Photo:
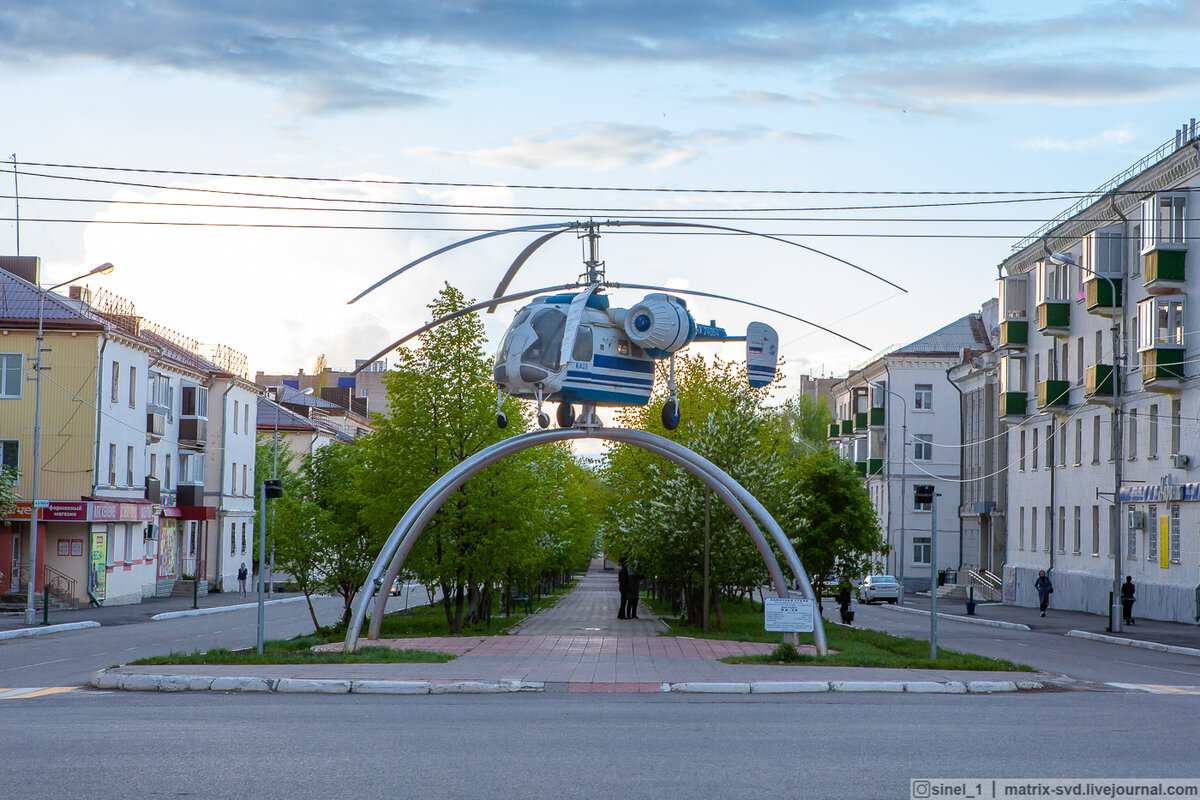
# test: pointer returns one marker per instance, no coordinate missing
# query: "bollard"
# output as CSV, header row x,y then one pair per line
x,y
196,593
970,601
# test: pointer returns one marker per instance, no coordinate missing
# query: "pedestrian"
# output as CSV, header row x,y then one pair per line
x,y
843,601
1127,599
623,586
631,604
1044,589
241,575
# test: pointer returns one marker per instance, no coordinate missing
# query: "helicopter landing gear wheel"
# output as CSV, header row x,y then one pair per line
x,y
565,415
501,420
670,414
543,419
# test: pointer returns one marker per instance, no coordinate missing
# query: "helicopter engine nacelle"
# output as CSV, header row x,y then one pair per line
x,y
660,324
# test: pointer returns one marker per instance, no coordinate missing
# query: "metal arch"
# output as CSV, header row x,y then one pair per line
x,y
432,498
409,537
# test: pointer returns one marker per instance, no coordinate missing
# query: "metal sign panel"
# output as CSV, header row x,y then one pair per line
x,y
793,614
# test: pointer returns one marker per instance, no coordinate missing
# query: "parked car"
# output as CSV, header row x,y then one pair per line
x,y
878,587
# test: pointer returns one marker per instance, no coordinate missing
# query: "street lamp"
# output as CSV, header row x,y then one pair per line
x,y
1117,434
903,484
103,269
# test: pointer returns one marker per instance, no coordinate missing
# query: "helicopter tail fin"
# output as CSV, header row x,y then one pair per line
x,y
762,352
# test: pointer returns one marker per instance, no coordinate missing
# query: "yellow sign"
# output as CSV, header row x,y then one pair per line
x,y
1164,533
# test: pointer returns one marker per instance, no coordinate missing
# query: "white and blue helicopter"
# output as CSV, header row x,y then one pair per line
x,y
571,346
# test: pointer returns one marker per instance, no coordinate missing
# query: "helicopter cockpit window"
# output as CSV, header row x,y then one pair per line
x,y
548,325
622,347
583,344
502,355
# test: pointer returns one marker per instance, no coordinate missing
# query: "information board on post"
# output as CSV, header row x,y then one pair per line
x,y
791,615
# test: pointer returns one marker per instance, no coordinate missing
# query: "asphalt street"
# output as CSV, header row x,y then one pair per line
x,y
112,744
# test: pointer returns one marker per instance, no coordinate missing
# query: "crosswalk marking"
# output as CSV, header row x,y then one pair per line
x,y
1158,688
34,691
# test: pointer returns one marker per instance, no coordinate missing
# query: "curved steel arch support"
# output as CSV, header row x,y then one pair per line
x,y
409,537
410,526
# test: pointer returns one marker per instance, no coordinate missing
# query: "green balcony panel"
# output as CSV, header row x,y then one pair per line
x,y
1098,295
834,429
874,466
1162,364
1013,404
1098,381
1053,394
847,427
1054,315
1163,265
1014,333
860,421
861,466
876,418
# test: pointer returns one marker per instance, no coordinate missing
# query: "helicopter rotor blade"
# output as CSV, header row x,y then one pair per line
x,y
736,300
520,262
447,248
652,224
462,313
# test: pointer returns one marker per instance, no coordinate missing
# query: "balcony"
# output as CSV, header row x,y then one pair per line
x,y
847,428
834,429
1162,369
860,421
1098,296
1014,334
1163,271
1054,317
874,466
156,425
877,418
1053,394
1098,382
861,466
1013,405
193,432
190,494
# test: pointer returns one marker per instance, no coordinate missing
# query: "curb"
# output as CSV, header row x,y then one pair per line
x,y
991,623
48,629
1162,648
108,679
200,612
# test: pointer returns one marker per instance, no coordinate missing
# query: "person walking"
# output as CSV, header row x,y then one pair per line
x,y
843,601
1044,589
635,586
1127,599
241,578
623,586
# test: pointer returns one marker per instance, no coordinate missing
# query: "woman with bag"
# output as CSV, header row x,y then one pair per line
x,y
1044,589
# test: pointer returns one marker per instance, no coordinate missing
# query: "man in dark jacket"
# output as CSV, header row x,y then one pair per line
x,y
631,599
1127,599
623,586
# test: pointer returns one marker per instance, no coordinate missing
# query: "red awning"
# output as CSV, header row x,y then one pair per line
x,y
171,511
198,512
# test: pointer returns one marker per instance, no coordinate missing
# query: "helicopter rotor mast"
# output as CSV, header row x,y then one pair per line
x,y
595,267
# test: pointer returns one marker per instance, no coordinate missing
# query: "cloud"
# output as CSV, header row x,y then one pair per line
x,y
759,98
1116,137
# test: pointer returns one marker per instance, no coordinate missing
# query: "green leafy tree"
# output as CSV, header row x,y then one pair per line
x,y
808,421
8,491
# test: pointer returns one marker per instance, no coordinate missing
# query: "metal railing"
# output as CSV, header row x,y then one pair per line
x,y
61,586
988,586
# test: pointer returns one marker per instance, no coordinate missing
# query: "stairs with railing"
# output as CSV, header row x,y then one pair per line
x,y
62,589
988,586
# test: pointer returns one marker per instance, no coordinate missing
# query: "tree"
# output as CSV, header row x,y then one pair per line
x,y
8,491
808,421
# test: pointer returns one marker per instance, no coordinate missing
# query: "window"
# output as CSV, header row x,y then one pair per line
x,y
1152,534
922,549
192,538
1079,360
1135,242
922,447
110,535
918,505
1048,539
112,465
1152,433
1096,439
10,374
1021,528
232,538
167,474
1132,446
1173,551
233,478
923,397
133,387
191,468
1062,529
116,382
1176,418
128,541
1052,280
1162,221
1033,518
194,402
1062,445
154,465
236,409
243,538
129,466
10,455
246,415
1160,322
1078,441
245,485
1131,539
1076,542
1095,530
1035,448
168,398
1021,451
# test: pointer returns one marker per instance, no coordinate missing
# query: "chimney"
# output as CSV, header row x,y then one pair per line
x,y
24,267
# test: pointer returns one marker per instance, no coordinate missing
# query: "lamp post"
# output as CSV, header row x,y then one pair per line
x,y
30,611
903,483
1117,433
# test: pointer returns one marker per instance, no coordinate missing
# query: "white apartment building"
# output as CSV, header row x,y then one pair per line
x,y
898,420
1084,505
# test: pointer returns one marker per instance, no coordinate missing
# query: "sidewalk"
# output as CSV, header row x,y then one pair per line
x,y
577,646
1176,634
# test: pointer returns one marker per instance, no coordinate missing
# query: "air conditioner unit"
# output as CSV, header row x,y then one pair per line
x,y
1137,520
1180,461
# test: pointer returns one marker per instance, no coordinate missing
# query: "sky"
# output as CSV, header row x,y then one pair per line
x,y
415,125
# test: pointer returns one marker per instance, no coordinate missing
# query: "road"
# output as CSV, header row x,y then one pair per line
x,y
619,746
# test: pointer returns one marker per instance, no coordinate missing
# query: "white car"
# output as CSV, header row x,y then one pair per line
x,y
878,587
